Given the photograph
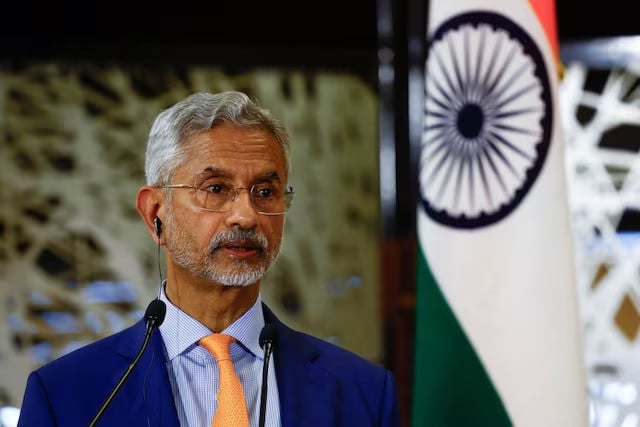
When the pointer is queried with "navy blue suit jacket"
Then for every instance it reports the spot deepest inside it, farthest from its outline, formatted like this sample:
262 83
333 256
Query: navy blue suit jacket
320 384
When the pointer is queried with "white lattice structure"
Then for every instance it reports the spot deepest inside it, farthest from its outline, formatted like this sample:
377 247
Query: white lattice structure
603 172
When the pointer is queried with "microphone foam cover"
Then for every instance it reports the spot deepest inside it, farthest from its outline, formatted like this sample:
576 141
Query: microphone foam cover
156 311
269 333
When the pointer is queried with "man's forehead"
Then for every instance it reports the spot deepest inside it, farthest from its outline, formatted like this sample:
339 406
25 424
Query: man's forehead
245 143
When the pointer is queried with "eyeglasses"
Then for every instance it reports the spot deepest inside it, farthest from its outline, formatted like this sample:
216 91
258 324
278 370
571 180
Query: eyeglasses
267 198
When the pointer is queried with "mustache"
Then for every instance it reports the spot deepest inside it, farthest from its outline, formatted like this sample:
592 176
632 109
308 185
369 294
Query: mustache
234 234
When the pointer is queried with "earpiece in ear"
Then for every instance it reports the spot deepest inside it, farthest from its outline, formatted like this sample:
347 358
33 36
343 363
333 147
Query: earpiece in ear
158 226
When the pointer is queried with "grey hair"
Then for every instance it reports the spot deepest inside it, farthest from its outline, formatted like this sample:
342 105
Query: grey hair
197 114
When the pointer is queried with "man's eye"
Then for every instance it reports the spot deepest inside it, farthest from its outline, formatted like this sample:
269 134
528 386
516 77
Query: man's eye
215 188
264 191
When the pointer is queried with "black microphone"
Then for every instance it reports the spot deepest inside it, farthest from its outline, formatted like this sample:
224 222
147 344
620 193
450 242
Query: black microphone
268 339
154 316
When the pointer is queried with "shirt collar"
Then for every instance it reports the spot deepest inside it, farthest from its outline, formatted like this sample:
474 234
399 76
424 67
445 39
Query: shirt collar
181 332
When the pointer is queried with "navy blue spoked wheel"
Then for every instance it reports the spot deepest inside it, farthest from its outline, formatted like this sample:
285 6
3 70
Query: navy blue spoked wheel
487 120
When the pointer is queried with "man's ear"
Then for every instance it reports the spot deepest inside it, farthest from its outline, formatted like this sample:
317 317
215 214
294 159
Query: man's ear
148 205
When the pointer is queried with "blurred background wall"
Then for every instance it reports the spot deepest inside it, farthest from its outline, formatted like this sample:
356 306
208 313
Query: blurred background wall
77 261
81 82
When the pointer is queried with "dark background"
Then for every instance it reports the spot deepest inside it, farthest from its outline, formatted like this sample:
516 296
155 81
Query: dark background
327 31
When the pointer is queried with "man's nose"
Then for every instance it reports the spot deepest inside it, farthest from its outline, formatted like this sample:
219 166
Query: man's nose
242 212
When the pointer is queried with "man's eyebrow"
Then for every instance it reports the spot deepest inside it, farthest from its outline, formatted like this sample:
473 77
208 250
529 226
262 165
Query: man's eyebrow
212 171
271 176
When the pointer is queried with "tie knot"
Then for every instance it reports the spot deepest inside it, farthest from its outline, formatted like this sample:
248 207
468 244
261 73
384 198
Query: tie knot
218 345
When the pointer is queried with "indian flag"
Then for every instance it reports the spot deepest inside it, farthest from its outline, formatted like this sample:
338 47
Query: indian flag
498 334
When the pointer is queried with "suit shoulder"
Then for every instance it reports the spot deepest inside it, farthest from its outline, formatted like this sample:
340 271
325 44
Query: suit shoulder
333 357
95 351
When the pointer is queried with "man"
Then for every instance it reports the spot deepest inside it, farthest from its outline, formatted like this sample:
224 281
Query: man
216 197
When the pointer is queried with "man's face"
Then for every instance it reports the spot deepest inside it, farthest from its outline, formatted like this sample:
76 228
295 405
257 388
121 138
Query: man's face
236 247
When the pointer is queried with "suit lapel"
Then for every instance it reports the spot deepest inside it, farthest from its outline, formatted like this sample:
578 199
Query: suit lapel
306 391
160 403
148 392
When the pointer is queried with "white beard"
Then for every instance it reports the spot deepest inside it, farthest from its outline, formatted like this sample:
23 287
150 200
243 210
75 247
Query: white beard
239 273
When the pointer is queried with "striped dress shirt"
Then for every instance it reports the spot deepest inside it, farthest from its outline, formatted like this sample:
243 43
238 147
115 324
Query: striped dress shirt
193 372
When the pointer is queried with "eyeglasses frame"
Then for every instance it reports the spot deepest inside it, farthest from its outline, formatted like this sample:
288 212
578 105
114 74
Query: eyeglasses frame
288 194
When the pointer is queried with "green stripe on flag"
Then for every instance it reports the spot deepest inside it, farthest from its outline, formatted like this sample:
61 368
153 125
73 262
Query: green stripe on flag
451 387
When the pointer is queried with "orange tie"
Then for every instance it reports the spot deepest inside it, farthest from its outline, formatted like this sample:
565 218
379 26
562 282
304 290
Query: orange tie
232 406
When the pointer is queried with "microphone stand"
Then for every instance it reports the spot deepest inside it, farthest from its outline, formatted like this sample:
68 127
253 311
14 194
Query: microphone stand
268 338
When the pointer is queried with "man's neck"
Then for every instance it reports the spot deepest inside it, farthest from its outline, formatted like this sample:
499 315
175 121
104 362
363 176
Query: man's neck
214 305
